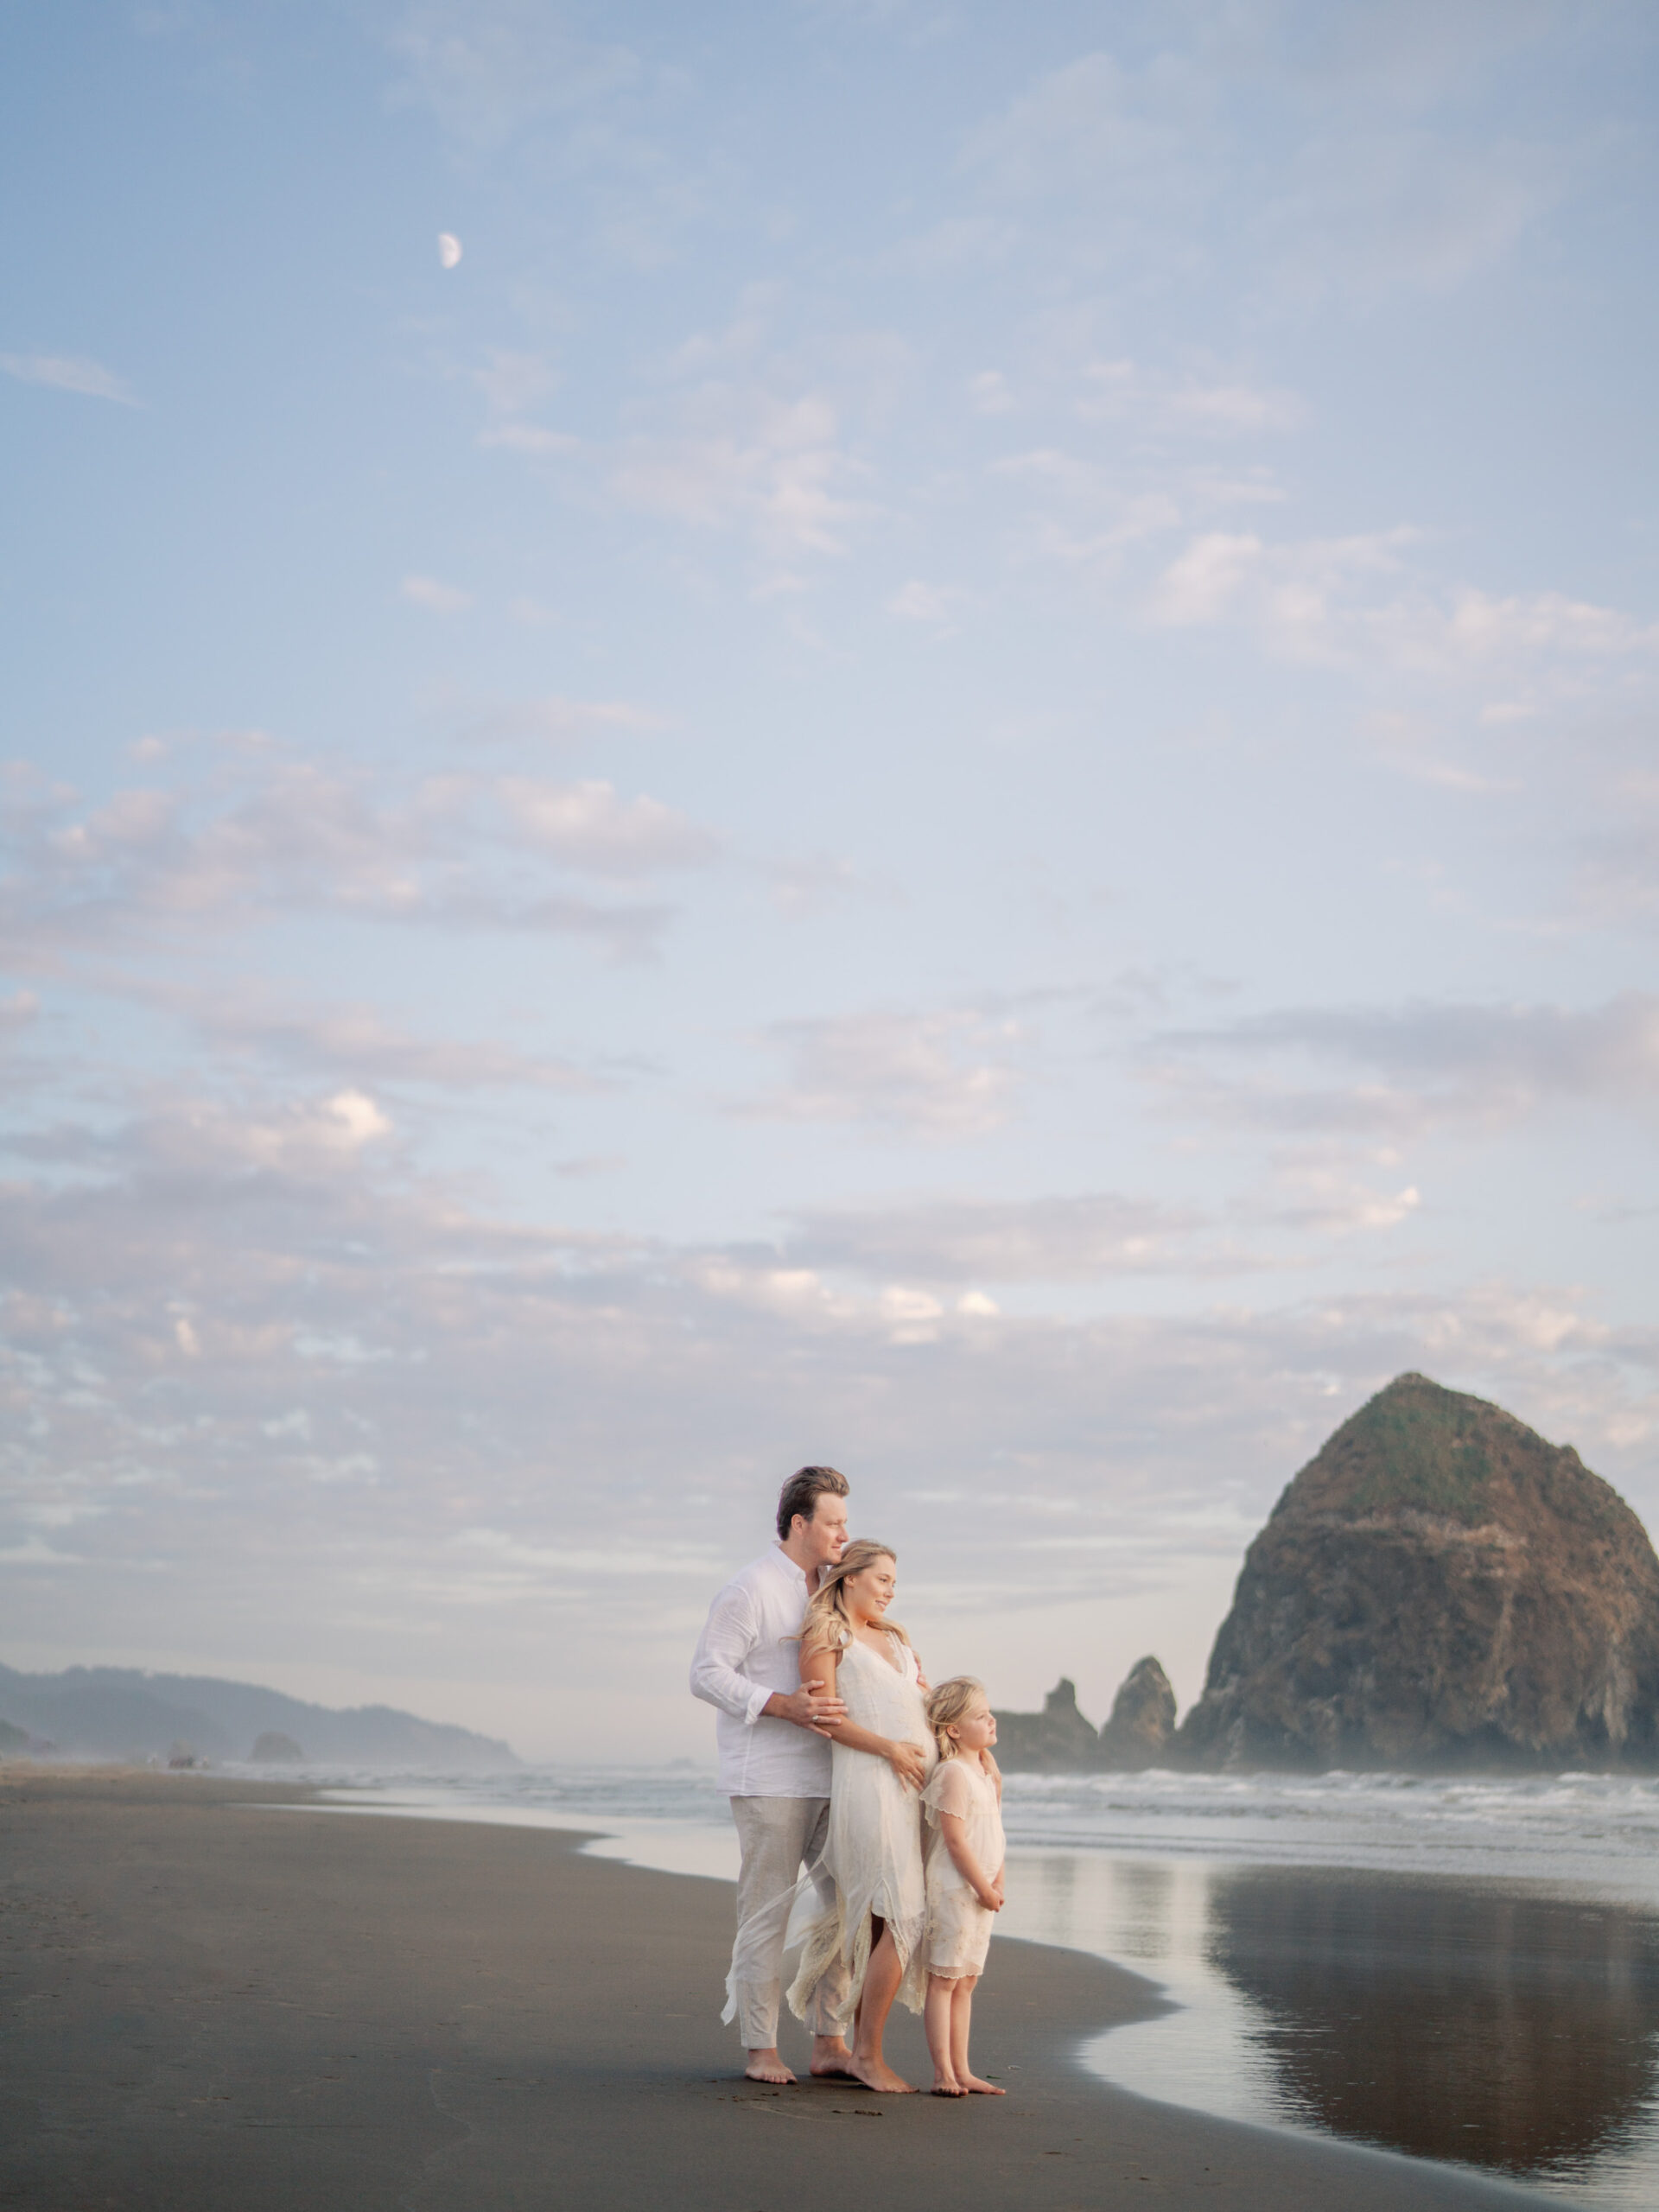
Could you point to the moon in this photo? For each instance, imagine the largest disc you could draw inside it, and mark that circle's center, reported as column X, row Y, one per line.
column 448, row 249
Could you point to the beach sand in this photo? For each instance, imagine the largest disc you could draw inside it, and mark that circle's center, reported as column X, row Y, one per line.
column 210, row 2002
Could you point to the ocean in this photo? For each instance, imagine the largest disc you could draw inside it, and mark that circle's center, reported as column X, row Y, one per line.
column 1467, row 1971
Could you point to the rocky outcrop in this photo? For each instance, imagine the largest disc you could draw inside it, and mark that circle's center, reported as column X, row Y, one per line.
column 273, row 1748
column 1439, row 1588
column 1057, row 1740
column 1143, row 1721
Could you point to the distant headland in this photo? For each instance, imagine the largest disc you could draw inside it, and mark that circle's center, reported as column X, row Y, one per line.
column 117, row 1712
column 1439, row 1588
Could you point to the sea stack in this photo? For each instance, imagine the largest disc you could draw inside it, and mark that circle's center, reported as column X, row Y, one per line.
column 1143, row 1720
column 1057, row 1740
column 1439, row 1588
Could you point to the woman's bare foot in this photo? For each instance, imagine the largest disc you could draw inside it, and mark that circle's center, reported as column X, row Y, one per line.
column 983, row 2088
column 877, row 2073
column 946, row 2085
column 832, row 2056
column 766, row 2066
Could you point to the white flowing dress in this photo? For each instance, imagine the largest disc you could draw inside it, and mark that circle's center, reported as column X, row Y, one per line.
column 874, row 1845
column 958, row 1926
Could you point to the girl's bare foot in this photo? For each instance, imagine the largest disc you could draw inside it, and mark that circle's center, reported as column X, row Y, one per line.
column 831, row 2055
column 766, row 2066
column 877, row 2073
column 946, row 2085
column 984, row 2089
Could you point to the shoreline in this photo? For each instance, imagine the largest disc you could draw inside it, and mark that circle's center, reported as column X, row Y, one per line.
column 208, row 2002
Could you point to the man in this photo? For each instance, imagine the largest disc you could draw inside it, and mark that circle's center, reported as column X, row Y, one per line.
column 773, row 1740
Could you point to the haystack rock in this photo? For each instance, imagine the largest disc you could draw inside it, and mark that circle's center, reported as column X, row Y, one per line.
column 1439, row 1588
column 1143, row 1720
column 1057, row 1740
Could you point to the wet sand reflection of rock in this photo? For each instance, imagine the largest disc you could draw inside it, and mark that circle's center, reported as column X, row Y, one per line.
column 1444, row 2019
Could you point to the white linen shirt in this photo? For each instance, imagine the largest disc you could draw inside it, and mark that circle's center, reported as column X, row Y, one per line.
column 746, row 1651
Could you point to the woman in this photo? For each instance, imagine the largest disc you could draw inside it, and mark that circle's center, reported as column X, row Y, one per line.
column 881, row 1756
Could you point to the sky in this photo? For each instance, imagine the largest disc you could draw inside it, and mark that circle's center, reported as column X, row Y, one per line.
column 919, row 735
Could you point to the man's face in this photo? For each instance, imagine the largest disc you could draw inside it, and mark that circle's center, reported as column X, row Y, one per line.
column 826, row 1532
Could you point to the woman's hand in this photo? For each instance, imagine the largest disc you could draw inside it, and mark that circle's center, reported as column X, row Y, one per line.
column 909, row 1762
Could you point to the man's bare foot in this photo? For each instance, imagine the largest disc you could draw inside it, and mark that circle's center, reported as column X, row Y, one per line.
column 981, row 2089
column 832, row 2056
column 877, row 2073
column 766, row 2066
column 946, row 2085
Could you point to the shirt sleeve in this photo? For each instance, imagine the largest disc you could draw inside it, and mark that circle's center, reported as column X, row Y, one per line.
column 728, row 1637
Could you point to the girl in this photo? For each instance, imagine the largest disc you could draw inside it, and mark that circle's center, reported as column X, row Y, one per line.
column 965, row 1850
column 880, row 1758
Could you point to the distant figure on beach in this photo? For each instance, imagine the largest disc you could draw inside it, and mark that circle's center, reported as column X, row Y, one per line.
column 965, row 1852
column 772, row 1734
column 873, row 1925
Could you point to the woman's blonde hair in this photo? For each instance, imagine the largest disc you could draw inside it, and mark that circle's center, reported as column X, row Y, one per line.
column 827, row 1620
column 952, row 1702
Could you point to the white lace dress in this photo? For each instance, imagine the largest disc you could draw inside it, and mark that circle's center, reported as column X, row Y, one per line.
column 875, row 1847
column 958, row 1926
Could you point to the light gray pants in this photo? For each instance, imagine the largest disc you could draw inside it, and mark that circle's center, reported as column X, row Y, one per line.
column 776, row 1835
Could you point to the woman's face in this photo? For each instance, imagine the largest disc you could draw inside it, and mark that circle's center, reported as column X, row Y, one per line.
column 869, row 1593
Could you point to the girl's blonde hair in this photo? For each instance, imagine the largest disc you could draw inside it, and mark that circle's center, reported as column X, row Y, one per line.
column 952, row 1702
column 827, row 1620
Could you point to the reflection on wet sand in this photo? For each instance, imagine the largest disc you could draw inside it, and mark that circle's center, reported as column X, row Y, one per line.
column 1443, row 2018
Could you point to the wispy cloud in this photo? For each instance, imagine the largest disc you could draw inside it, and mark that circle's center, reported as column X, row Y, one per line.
column 948, row 1074
column 268, row 830
column 1418, row 1066
column 773, row 466
column 436, row 597
column 69, row 372
column 1359, row 600
column 488, row 67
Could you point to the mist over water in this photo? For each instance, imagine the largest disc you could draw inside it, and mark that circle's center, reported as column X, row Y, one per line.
column 1461, row 1969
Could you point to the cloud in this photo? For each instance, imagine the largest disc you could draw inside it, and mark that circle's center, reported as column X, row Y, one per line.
column 1122, row 390
column 960, row 1241
column 1086, row 133
column 18, row 1013
column 770, row 466
column 1357, row 600
column 358, row 1043
column 810, row 885
column 586, row 826
column 932, row 604
column 69, row 372
column 486, row 68
column 1366, row 211
column 1254, row 147
column 264, row 831
column 436, row 598
column 252, row 1347
column 946, row 1074
column 555, row 717
column 1423, row 1065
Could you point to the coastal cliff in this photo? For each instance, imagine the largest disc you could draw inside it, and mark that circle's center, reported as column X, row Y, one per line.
column 1439, row 1587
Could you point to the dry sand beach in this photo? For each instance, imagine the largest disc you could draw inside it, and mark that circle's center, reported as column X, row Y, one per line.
column 213, row 1996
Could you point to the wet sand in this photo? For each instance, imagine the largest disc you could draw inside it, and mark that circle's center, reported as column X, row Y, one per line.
column 207, row 2003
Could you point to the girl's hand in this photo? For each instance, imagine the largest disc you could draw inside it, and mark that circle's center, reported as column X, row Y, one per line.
column 992, row 1898
column 909, row 1762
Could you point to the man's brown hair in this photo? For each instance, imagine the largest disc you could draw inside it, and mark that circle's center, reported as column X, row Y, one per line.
column 801, row 1493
